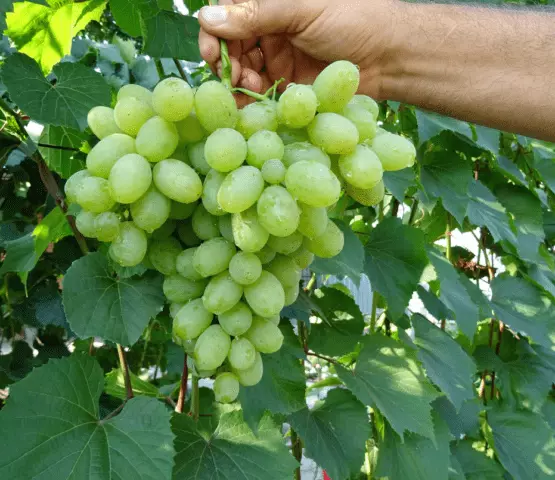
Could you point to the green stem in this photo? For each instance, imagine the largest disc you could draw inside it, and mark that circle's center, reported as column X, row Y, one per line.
column 180, row 69
column 195, row 399
column 375, row 298
column 380, row 211
column 182, row 387
column 226, row 64
column 250, row 93
column 310, row 284
column 125, row 371
column 448, row 238
column 369, row 473
column 297, row 451
column 159, row 68
column 413, row 212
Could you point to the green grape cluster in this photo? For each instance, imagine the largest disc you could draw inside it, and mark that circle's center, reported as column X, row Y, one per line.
column 231, row 205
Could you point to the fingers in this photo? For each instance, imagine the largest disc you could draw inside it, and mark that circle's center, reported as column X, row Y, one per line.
column 242, row 76
column 209, row 47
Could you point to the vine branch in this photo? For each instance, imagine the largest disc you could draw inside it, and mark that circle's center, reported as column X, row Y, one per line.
column 195, row 400
column 183, row 387
column 297, row 451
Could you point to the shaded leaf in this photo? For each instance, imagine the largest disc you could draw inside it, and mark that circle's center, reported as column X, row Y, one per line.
column 544, row 164
column 399, row 182
column 465, row 422
column 431, row 124
column 509, row 169
column 433, row 304
column 474, row 464
column 17, row 364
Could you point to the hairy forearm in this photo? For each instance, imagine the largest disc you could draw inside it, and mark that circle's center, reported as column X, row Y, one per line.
column 494, row 67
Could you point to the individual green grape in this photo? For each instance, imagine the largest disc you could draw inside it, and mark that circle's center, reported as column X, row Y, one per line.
column 131, row 114
column 362, row 168
column 163, row 254
column 277, row 211
column 130, row 178
column 181, row 153
column 178, row 181
column 241, row 189
column 197, row 158
column 165, row 230
column 173, row 99
column 264, row 145
column 329, row 244
column 188, row 347
column 248, row 233
column 241, row 354
column 210, row 188
column 265, row 296
column 285, row 269
column 222, row 293
column 190, row 130
column 191, row 320
column 379, row 131
column 182, row 211
column 93, row 194
column 363, row 120
column 367, row 103
column 313, row 183
column 184, row 265
column 133, row 90
column 303, row 257
column 107, row 152
column 225, row 150
column 187, row 235
column 157, row 139
column 313, row 220
column 304, row 151
column 264, row 335
column 292, row 135
column 257, row 116
column 297, row 106
column 286, row 245
column 336, row 85
column 251, row 376
column 85, row 223
column 107, row 225
column 101, row 121
column 215, row 106
column 205, row 225
column 237, row 320
column 367, row 197
column 291, row 294
column 226, row 387
column 266, row 254
column 273, row 171
column 245, row 268
column 224, row 224
column 129, row 248
column 179, row 289
column 394, row 151
column 174, row 308
column 213, row 256
column 335, row 170
column 151, row 210
column 211, row 348
column 73, row 185
column 333, row 133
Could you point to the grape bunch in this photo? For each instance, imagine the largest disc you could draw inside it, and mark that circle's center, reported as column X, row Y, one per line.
column 231, row 205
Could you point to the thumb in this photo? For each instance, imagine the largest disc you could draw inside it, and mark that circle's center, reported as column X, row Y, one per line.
column 248, row 19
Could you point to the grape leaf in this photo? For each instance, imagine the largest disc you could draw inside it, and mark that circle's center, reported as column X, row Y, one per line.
column 342, row 324
column 194, row 5
column 334, row 433
column 543, row 163
column 128, row 13
column 54, row 414
column 510, row 170
column 98, row 304
column 414, row 457
column 445, row 362
column 395, row 260
column 44, row 32
column 522, row 306
column 388, row 375
column 432, row 124
column 232, row 451
column 349, row 262
column 465, row 422
column 487, row 138
column 474, row 464
column 399, row 182
column 65, row 103
column 453, row 294
column 519, row 438
column 17, row 364
column 169, row 34
column 433, row 304
column 115, row 385
column 63, row 162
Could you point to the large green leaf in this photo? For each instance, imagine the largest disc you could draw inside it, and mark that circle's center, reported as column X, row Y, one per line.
column 519, row 438
column 334, row 433
column 465, row 422
column 523, row 307
column 445, row 362
column 65, row 103
column 395, row 260
column 431, row 124
column 387, row 375
column 399, row 182
column 474, row 464
column 231, row 452
column 349, row 262
column 342, row 323
column 99, row 304
column 45, row 32
column 63, row 162
column 169, row 34
column 127, row 14
column 54, row 415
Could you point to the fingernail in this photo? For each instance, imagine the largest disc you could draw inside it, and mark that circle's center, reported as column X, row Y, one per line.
column 214, row 15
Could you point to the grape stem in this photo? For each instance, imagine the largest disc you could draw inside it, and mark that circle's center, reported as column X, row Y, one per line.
column 195, row 399
column 183, row 387
column 159, row 68
column 180, row 69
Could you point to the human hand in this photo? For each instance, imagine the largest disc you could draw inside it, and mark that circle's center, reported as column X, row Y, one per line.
column 296, row 39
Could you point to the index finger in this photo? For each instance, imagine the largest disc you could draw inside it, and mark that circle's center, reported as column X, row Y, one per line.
column 209, row 46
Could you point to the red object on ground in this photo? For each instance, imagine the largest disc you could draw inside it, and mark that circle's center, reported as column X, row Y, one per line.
column 326, row 477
